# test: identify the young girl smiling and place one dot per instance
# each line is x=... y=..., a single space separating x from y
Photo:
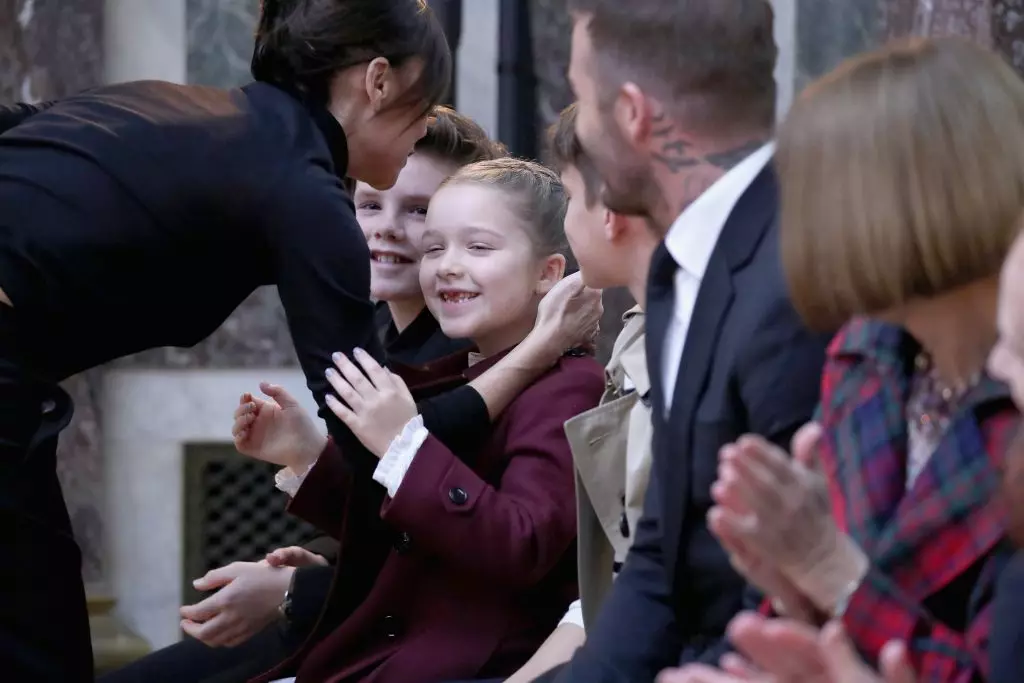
x=482 y=562
x=393 y=221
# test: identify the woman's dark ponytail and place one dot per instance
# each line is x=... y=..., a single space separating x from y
x=266 y=60
x=302 y=44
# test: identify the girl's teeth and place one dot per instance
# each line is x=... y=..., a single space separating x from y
x=457 y=298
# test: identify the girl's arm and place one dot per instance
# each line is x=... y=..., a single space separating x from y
x=520 y=530
x=567 y=318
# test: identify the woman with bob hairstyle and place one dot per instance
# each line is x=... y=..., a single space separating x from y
x=140 y=215
x=902 y=176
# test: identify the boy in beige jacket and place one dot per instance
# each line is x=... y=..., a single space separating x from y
x=611 y=444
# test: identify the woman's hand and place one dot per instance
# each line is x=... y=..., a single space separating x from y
x=786 y=598
x=278 y=431
x=783 y=651
x=375 y=403
x=779 y=509
x=845 y=666
x=568 y=316
x=294 y=556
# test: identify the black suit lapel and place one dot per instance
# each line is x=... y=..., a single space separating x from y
x=737 y=243
x=713 y=301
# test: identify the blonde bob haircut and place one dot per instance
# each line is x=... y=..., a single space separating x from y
x=902 y=176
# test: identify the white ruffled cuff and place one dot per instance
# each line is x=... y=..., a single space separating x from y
x=573 y=615
x=289 y=481
x=396 y=462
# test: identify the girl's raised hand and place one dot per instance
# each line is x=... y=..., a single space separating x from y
x=374 y=403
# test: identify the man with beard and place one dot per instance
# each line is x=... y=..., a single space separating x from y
x=676 y=106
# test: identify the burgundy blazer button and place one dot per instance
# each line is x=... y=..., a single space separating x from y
x=390 y=627
x=458 y=495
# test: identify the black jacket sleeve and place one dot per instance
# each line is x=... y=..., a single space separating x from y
x=311 y=586
x=458 y=418
x=322 y=271
x=13 y=114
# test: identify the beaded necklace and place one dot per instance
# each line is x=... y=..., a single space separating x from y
x=933 y=402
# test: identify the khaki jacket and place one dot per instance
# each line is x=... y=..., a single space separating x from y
x=611 y=447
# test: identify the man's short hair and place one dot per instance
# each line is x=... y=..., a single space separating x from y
x=566 y=152
x=713 y=61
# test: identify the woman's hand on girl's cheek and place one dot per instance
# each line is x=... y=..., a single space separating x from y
x=374 y=403
x=568 y=316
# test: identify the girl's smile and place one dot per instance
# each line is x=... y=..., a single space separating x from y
x=479 y=281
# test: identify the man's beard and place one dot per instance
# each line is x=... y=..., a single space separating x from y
x=626 y=180
x=626 y=192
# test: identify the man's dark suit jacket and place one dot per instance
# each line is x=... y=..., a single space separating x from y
x=748 y=365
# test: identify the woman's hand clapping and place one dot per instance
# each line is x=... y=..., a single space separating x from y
x=773 y=512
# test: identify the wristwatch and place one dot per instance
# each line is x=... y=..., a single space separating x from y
x=285 y=608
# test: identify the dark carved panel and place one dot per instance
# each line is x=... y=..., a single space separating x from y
x=233 y=512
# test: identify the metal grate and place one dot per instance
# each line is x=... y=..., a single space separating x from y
x=232 y=512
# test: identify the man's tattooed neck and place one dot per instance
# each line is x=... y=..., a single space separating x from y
x=728 y=158
x=677 y=153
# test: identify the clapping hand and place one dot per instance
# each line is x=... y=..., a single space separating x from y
x=777 y=510
x=278 y=431
x=785 y=651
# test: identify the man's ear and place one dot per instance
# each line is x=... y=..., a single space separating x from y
x=634 y=114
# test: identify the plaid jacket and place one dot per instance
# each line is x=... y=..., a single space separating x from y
x=937 y=548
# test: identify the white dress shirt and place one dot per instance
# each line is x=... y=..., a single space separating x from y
x=691 y=240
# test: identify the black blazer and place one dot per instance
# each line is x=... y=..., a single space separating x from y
x=749 y=365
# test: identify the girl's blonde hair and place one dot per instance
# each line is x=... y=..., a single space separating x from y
x=535 y=193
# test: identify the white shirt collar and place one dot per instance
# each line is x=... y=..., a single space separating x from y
x=693 y=235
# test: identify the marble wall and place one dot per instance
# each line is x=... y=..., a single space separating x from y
x=830 y=30
x=220 y=40
x=145 y=463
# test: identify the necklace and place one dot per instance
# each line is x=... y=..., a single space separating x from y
x=933 y=402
